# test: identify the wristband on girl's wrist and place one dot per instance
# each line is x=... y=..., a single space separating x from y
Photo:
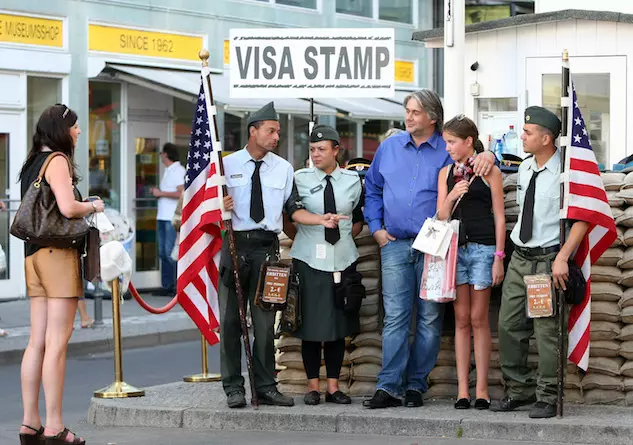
x=501 y=254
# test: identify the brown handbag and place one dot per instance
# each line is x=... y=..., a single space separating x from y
x=38 y=219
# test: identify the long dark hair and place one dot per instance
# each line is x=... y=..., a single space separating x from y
x=462 y=127
x=53 y=131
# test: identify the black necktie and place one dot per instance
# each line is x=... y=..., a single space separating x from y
x=257 y=202
x=329 y=205
x=527 y=219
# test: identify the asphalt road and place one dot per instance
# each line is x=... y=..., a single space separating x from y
x=158 y=365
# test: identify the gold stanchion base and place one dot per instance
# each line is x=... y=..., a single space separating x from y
x=119 y=390
x=202 y=378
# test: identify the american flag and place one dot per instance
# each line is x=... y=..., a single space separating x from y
x=200 y=232
x=585 y=200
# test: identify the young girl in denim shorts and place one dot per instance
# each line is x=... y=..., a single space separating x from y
x=481 y=250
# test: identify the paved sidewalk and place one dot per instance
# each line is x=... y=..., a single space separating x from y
x=203 y=406
x=139 y=328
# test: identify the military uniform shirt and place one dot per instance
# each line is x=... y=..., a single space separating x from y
x=545 y=228
x=277 y=188
x=309 y=244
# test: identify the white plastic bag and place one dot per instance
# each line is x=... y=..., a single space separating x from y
x=3 y=260
x=438 y=278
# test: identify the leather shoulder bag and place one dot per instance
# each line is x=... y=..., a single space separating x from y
x=38 y=219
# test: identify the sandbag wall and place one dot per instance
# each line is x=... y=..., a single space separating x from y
x=363 y=356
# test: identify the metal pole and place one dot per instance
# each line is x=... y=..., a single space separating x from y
x=310 y=128
x=119 y=389
x=562 y=356
x=204 y=376
x=230 y=235
x=98 y=304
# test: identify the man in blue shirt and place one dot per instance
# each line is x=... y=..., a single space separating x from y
x=401 y=192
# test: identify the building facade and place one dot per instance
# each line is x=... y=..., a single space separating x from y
x=131 y=71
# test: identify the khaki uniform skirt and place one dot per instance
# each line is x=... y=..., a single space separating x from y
x=54 y=273
x=321 y=320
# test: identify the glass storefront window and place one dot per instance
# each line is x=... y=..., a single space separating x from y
x=363 y=8
x=184 y=112
x=232 y=133
x=311 y=4
x=396 y=10
x=347 y=131
x=41 y=92
x=4 y=216
x=105 y=143
x=372 y=132
x=594 y=102
x=301 y=145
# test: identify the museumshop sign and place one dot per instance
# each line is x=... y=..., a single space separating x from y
x=31 y=30
x=296 y=63
x=143 y=42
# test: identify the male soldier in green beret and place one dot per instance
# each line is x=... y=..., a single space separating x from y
x=537 y=251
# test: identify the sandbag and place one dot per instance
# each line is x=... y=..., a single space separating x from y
x=605 y=311
x=573 y=396
x=292 y=389
x=510 y=199
x=495 y=377
x=616 y=212
x=600 y=381
x=365 y=238
x=510 y=226
x=443 y=374
x=627 y=298
x=367 y=310
x=288 y=344
x=369 y=324
x=610 y=257
x=607 y=274
x=368 y=339
x=342 y=386
x=627 y=369
x=368 y=252
x=365 y=372
x=604 y=365
x=619 y=240
x=628 y=384
x=441 y=391
x=626 y=348
x=604 y=330
x=627 y=195
x=343 y=376
x=627 y=258
x=445 y=358
x=369 y=268
x=627 y=315
x=626 y=279
x=629 y=398
x=626 y=333
x=604 y=348
x=373 y=298
x=447 y=343
x=292 y=376
x=627 y=182
x=366 y=354
x=495 y=392
x=494 y=360
x=512 y=213
x=510 y=182
x=371 y=285
x=358 y=389
x=606 y=292
x=572 y=381
x=290 y=360
x=626 y=218
x=604 y=397
x=612 y=180
x=614 y=199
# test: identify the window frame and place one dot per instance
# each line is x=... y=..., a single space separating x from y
x=415 y=5
x=274 y=4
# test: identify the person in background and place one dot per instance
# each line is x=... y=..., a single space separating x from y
x=482 y=233
x=317 y=254
x=171 y=187
x=401 y=192
x=261 y=188
x=3 y=333
x=389 y=133
x=53 y=282
x=86 y=321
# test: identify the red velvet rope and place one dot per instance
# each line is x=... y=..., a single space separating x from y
x=149 y=308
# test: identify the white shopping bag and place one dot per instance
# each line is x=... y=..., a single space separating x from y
x=434 y=237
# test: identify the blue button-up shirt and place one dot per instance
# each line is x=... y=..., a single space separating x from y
x=401 y=184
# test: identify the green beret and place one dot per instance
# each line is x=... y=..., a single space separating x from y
x=324 y=133
x=543 y=117
x=265 y=113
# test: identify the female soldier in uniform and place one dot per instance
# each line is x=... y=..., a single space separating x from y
x=318 y=253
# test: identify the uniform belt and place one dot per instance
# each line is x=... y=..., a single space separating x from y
x=537 y=251
x=256 y=235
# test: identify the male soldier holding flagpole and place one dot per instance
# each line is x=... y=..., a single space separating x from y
x=261 y=187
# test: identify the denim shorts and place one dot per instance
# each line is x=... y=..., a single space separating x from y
x=474 y=265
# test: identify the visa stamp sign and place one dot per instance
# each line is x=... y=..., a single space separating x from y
x=324 y=62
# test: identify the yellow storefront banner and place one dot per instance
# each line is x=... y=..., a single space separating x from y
x=31 y=30
x=227 y=52
x=137 y=42
x=405 y=71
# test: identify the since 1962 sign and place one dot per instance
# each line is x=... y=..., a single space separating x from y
x=325 y=62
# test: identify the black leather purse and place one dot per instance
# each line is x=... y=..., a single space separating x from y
x=349 y=292
x=576 y=285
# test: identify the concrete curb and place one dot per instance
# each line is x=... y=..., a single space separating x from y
x=137 y=332
x=203 y=406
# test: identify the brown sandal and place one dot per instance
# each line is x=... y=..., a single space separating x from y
x=60 y=439
x=32 y=439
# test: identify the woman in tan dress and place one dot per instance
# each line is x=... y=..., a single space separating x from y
x=53 y=282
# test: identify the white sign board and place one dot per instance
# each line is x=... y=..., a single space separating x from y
x=302 y=63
